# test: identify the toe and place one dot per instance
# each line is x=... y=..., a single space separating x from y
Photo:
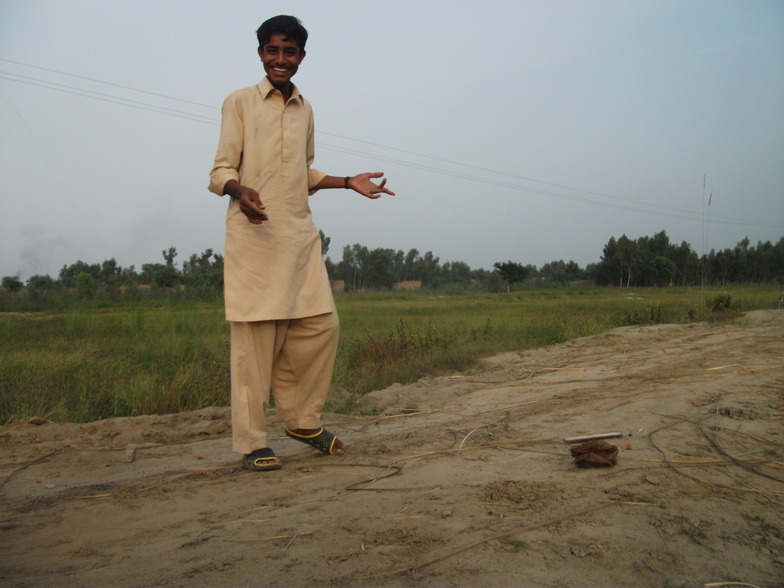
x=338 y=448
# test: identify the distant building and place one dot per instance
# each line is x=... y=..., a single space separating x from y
x=408 y=285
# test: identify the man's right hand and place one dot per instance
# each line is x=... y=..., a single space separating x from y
x=250 y=201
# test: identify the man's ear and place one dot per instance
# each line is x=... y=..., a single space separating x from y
x=261 y=52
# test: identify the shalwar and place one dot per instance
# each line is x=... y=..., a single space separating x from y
x=284 y=326
x=293 y=359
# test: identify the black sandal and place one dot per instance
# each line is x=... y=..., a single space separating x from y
x=261 y=460
x=323 y=440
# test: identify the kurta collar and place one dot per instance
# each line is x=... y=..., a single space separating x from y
x=266 y=89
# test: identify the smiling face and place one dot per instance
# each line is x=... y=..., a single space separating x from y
x=281 y=57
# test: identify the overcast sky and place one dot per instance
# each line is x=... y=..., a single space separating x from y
x=529 y=131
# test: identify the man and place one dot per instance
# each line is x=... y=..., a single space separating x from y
x=284 y=326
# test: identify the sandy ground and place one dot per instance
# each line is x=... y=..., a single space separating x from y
x=455 y=481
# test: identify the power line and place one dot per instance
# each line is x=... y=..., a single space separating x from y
x=622 y=203
x=674 y=212
x=104 y=97
x=72 y=75
x=480 y=168
x=71 y=200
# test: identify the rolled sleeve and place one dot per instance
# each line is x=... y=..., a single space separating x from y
x=229 y=154
x=314 y=177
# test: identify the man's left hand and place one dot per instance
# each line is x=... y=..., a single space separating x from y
x=363 y=184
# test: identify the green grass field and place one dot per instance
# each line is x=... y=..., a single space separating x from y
x=86 y=364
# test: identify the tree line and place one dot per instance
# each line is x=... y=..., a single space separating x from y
x=625 y=262
x=654 y=261
x=202 y=274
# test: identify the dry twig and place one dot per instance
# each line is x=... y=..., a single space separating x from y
x=27 y=465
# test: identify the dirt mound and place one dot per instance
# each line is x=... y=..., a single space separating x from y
x=457 y=481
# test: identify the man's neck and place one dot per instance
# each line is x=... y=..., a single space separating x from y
x=287 y=89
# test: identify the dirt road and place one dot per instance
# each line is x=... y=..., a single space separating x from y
x=455 y=481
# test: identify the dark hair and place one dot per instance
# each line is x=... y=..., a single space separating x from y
x=288 y=26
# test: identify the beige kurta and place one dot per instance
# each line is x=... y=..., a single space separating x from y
x=274 y=270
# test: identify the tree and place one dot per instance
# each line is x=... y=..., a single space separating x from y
x=511 y=272
x=203 y=274
x=687 y=263
x=12 y=283
x=332 y=269
x=777 y=268
x=169 y=255
x=561 y=271
x=40 y=282
x=627 y=252
x=111 y=273
x=608 y=270
x=201 y=263
x=166 y=276
x=324 y=243
x=662 y=270
x=85 y=284
x=377 y=269
x=456 y=272
x=348 y=267
x=409 y=265
x=68 y=273
x=428 y=269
